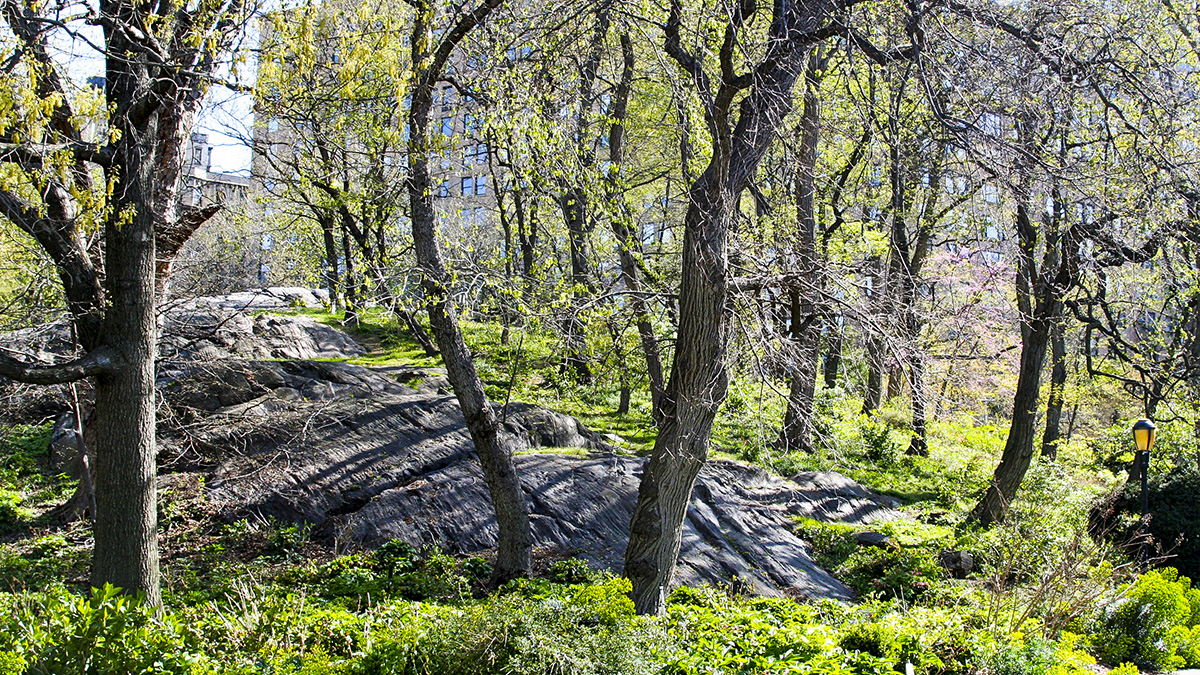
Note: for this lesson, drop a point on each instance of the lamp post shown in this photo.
(1143, 438)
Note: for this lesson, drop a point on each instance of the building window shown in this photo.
(991, 124)
(991, 194)
(470, 124)
(444, 189)
(481, 187)
(447, 126)
(475, 153)
(468, 185)
(273, 125)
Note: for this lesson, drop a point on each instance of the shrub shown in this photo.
(1174, 497)
(576, 630)
(59, 634)
(397, 571)
(571, 571)
(906, 573)
(832, 542)
(1036, 656)
(1154, 624)
(878, 445)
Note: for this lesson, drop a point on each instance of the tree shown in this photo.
(493, 445)
(159, 60)
(699, 379)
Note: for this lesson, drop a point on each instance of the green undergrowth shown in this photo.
(27, 487)
(259, 597)
(565, 625)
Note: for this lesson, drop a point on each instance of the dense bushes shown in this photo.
(54, 633)
(1155, 624)
(1174, 496)
(539, 627)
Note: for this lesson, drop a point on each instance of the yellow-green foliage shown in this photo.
(1154, 624)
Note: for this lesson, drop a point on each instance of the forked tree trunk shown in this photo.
(493, 446)
(699, 379)
(1040, 290)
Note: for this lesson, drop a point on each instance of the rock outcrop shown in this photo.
(367, 455)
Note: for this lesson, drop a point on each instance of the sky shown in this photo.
(227, 116)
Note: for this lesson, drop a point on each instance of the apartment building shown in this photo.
(201, 185)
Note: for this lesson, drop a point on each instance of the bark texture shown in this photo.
(493, 446)
(699, 377)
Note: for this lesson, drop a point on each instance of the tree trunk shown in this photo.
(575, 359)
(797, 431)
(1058, 381)
(1018, 449)
(330, 274)
(805, 338)
(874, 391)
(919, 444)
(349, 285)
(493, 446)
(833, 355)
(699, 380)
(628, 242)
(126, 525)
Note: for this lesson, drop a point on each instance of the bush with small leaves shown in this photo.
(1154, 624)
(906, 573)
(571, 571)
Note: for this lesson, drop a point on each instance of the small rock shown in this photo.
(874, 540)
(64, 446)
(958, 563)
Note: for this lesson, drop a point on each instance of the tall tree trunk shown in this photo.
(698, 386)
(699, 380)
(874, 345)
(804, 344)
(895, 382)
(919, 444)
(1018, 448)
(126, 524)
(875, 359)
(349, 283)
(493, 446)
(628, 241)
(833, 355)
(1058, 382)
(330, 274)
(575, 357)
(1040, 289)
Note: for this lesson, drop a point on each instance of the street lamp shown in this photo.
(1143, 438)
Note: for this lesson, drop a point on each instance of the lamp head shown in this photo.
(1143, 435)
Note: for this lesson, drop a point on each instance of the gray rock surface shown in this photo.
(367, 459)
(371, 454)
(206, 334)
